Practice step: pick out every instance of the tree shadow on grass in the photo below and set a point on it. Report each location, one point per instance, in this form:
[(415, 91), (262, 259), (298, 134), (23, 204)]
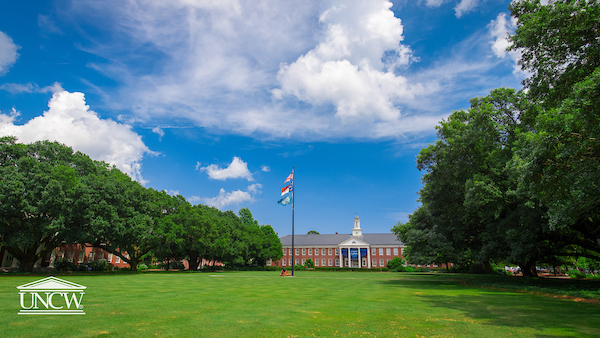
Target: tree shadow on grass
[(508, 308)]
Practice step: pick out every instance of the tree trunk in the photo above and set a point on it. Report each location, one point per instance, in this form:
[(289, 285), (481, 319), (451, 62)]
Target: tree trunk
[(133, 266), (528, 269), (26, 258), (26, 263), (193, 260)]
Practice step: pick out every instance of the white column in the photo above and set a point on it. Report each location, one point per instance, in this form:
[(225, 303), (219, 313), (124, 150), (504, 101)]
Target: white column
[(340, 256), (369, 257), (359, 259)]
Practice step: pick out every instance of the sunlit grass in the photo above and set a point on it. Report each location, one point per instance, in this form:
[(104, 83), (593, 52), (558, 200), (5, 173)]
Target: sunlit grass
[(259, 304)]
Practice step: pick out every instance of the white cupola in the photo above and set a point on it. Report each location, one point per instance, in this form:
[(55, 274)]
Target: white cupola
[(357, 231)]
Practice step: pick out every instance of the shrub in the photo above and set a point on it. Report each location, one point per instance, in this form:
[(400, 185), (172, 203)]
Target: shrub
[(142, 267), (100, 265), (309, 264), (64, 265), (395, 263), (337, 268), (172, 265), (299, 267), (576, 274)]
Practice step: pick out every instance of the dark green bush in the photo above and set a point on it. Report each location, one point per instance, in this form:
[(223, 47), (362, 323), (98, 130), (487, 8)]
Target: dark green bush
[(576, 274), (65, 265), (100, 265), (337, 268), (395, 263)]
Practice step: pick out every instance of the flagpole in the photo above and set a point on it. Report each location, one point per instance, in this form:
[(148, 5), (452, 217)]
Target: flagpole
[(293, 202)]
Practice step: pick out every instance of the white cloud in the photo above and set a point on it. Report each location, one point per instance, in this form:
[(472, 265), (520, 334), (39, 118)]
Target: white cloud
[(69, 121), (255, 188), (265, 168), (465, 6), (236, 169), (234, 197), (8, 52), (499, 31), (269, 69), (159, 132), (17, 88), (346, 69), (434, 3), (194, 199)]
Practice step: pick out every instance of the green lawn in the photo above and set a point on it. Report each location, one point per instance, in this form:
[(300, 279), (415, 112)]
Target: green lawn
[(259, 304)]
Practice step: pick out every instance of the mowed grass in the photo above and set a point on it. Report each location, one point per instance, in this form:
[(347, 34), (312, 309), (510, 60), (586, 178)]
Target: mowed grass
[(327, 304)]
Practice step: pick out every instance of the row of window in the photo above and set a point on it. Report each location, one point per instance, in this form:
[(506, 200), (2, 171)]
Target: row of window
[(329, 262), (71, 254), (284, 262), (322, 251)]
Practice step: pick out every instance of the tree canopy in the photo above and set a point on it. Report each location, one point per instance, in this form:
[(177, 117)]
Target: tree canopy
[(51, 195), (515, 178)]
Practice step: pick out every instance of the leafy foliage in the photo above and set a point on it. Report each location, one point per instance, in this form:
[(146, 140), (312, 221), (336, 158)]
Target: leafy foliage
[(50, 195), (309, 264), (515, 178)]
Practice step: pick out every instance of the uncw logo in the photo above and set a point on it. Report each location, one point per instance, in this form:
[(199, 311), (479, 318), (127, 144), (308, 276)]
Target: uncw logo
[(51, 296)]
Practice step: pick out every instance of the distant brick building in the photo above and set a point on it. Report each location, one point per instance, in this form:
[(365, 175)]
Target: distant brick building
[(355, 250), (70, 252)]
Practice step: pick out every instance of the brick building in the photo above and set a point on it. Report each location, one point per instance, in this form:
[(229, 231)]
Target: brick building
[(71, 252), (355, 250)]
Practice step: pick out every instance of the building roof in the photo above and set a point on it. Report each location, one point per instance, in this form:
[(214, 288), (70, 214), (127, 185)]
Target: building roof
[(335, 239)]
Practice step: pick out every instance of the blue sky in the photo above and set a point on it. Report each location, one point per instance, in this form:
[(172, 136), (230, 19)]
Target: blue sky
[(217, 101)]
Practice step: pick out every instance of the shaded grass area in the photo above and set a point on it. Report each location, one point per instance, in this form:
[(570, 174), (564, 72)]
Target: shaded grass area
[(262, 304), (576, 288)]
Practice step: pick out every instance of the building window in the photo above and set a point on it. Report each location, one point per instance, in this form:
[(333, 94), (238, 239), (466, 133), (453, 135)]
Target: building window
[(296, 261), (388, 251), (91, 257), (374, 262), (310, 251), (304, 251), (109, 259), (401, 250), (337, 262), (395, 251), (347, 261), (297, 251), (117, 260), (316, 262), (381, 262), (283, 262), (70, 256), (381, 251), (284, 251), (373, 251), (323, 262), (388, 261), (81, 256), (337, 251), (303, 261), (329, 251)]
